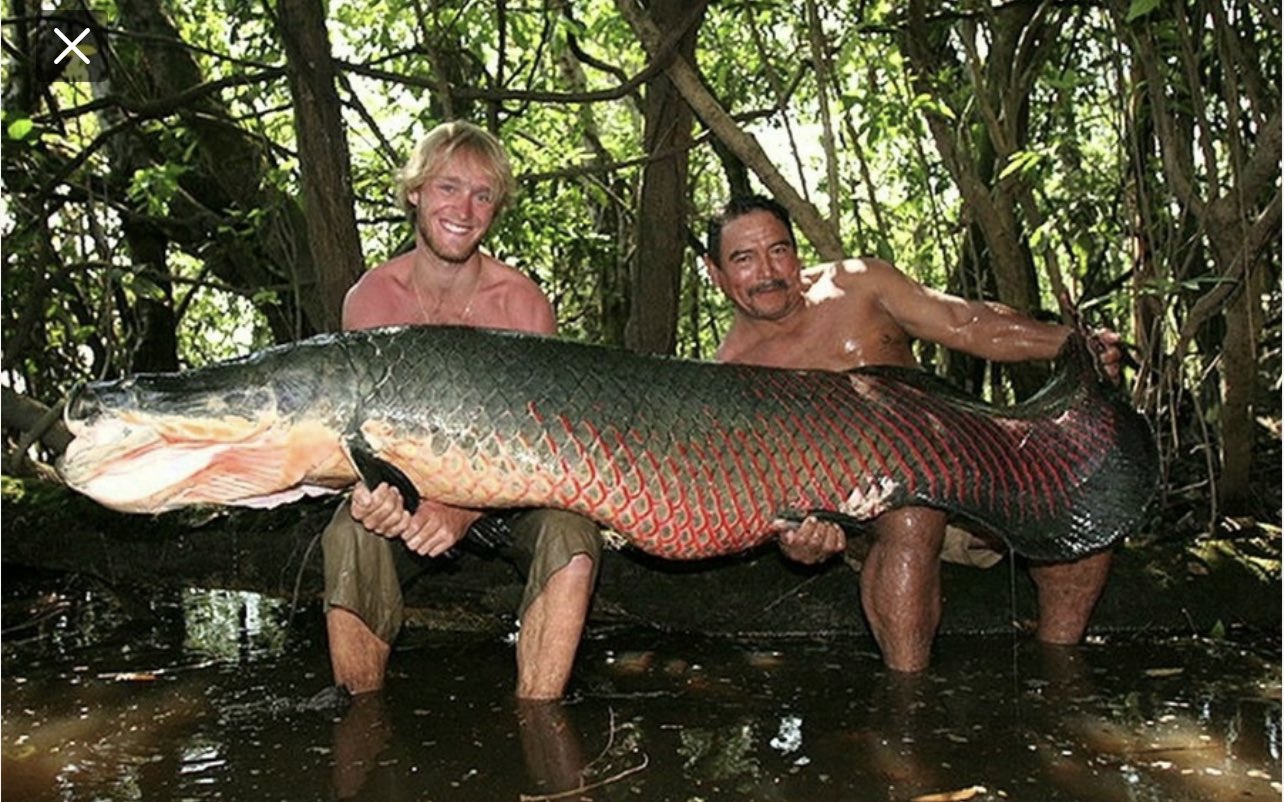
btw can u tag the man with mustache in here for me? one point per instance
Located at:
(860, 312)
(454, 186)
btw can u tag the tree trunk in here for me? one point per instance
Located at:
(155, 326)
(328, 203)
(974, 154)
(612, 222)
(24, 415)
(808, 219)
(1239, 390)
(1147, 270)
(223, 181)
(656, 274)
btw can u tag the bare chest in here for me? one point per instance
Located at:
(825, 342)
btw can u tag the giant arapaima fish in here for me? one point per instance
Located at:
(684, 459)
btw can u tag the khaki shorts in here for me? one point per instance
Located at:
(364, 571)
(964, 548)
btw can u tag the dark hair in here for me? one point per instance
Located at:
(738, 207)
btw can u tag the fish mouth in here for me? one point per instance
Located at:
(123, 467)
(126, 466)
(134, 462)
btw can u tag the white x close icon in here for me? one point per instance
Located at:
(71, 46)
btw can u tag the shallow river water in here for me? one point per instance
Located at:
(209, 695)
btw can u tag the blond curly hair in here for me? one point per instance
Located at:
(443, 142)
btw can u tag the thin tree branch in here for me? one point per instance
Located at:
(163, 106)
(659, 55)
(820, 59)
(822, 235)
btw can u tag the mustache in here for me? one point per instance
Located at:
(769, 286)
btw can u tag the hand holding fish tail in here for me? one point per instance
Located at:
(1106, 346)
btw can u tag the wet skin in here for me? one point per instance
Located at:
(861, 312)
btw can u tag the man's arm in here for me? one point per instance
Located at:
(981, 328)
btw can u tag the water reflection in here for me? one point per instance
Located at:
(551, 746)
(1159, 745)
(231, 624)
(205, 696)
(361, 735)
(726, 755)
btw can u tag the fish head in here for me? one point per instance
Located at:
(156, 442)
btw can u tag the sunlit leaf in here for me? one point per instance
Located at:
(18, 129)
(1140, 8)
(933, 105)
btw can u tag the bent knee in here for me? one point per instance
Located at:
(568, 533)
(580, 566)
(916, 529)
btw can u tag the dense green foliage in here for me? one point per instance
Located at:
(1126, 152)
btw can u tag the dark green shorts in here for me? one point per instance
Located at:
(364, 571)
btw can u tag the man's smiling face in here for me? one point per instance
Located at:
(455, 207)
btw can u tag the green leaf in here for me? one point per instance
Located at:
(265, 297)
(155, 187)
(1141, 8)
(928, 103)
(18, 129)
(147, 288)
(1022, 161)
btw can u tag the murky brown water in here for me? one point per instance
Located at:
(202, 695)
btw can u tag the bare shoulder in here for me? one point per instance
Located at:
(369, 300)
(730, 347)
(877, 279)
(508, 280)
(515, 300)
(849, 280)
(392, 274)
(511, 288)
(864, 269)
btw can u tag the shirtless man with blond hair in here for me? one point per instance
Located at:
(454, 186)
(860, 312)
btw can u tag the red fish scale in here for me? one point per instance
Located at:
(690, 460)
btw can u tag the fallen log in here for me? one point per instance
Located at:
(1161, 585)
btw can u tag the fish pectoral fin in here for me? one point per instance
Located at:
(793, 518)
(375, 471)
(285, 496)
